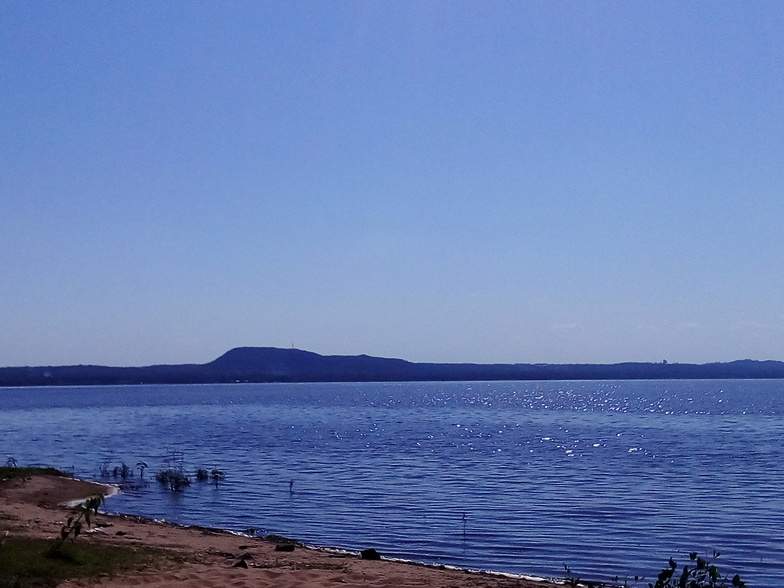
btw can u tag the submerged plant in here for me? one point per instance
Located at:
(141, 465)
(175, 479)
(124, 471)
(216, 476)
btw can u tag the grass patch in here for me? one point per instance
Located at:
(7, 472)
(24, 562)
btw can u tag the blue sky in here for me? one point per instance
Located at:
(438, 181)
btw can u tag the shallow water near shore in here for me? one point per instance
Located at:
(609, 478)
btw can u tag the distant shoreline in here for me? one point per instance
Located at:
(274, 365)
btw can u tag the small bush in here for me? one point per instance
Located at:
(73, 527)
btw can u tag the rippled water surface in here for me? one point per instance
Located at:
(611, 478)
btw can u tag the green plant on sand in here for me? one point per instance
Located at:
(73, 525)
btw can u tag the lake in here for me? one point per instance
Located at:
(608, 477)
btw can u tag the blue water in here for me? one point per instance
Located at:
(611, 478)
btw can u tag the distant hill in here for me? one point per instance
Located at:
(270, 364)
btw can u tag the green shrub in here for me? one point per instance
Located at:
(73, 527)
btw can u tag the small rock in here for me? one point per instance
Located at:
(370, 554)
(285, 547)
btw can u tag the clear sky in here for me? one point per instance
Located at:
(536, 181)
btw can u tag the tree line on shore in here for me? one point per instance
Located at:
(269, 364)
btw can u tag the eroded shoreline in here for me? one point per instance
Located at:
(211, 558)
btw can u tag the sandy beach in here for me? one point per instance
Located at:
(208, 558)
